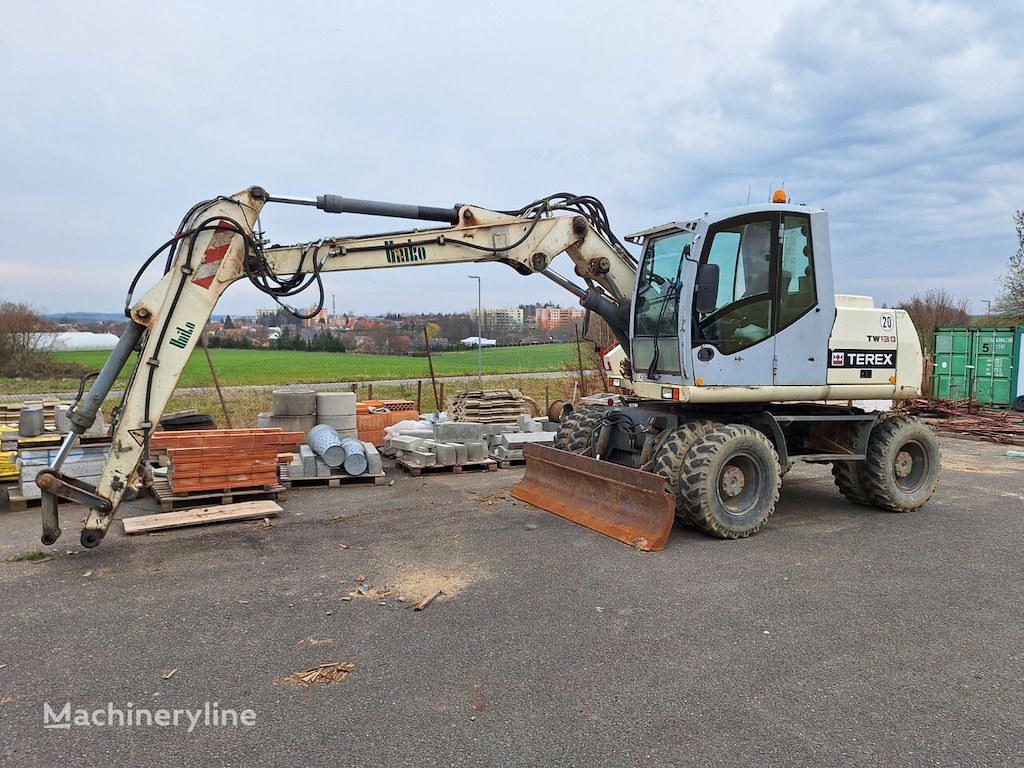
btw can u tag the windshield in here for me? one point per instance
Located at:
(657, 293)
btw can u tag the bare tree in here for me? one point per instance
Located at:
(936, 309)
(1010, 302)
(22, 346)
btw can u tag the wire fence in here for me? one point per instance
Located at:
(236, 385)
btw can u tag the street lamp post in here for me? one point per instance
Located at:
(479, 330)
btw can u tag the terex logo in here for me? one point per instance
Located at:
(404, 253)
(859, 358)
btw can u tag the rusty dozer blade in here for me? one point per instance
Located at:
(626, 504)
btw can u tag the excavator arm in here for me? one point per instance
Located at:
(218, 244)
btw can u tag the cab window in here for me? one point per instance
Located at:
(797, 294)
(743, 313)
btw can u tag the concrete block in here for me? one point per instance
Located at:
(425, 434)
(61, 418)
(287, 423)
(337, 422)
(461, 454)
(373, 462)
(294, 402)
(526, 423)
(308, 459)
(458, 431)
(30, 421)
(406, 443)
(518, 439)
(551, 426)
(476, 451)
(445, 453)
(334, 404)
(322, 468)
(499, 427)
(296, 469)
(418, 458)
(99, 427)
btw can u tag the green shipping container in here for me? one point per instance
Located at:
(980, 363)
(1018, 362)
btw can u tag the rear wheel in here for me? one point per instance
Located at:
(902, 464)
(669, 456)
(578, 431)
(848, 475)
(730, 481)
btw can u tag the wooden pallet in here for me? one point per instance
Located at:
(487, 465)
(19, 503)
(506, 463)
(168, 500)
(334, 481)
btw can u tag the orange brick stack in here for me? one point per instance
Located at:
(223, 459)
(371, 425)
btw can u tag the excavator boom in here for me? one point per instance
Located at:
(217, 245)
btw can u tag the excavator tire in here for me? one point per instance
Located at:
(669, 456)
(578, 432)
(730, 481)
(848, 475)
(902, 465)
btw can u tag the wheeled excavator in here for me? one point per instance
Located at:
(735, 357)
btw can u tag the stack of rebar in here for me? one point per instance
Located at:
(968, 419)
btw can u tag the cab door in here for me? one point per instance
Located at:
(773, 314)
(733, 345)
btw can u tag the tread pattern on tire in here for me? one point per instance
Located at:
(700, 491)
(576, 434)
(848, 475)
(670, 454)
(877, 475)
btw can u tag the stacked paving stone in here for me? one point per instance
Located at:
(489, 406)
(84, 463)
(453, 443)
(38, 421)
(447, 444)
(507, 445)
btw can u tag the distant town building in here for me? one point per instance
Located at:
(266, 312)
(319, 318)
(554, 317)
(503, 320)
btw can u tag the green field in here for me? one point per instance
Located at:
(241, 367)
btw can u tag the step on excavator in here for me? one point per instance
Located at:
(735, 357)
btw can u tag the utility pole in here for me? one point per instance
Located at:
(479, 330)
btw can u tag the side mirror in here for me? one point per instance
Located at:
(706, 299)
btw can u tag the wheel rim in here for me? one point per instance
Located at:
(739, 484)
(910, 466)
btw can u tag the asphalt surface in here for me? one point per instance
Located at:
(839, 636)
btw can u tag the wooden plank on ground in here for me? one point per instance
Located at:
(245, 510)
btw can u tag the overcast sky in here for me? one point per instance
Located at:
(905, 120)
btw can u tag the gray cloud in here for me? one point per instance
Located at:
(901, 118)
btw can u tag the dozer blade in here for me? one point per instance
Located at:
(626, 504)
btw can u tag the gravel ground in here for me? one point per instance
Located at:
(839, 636)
